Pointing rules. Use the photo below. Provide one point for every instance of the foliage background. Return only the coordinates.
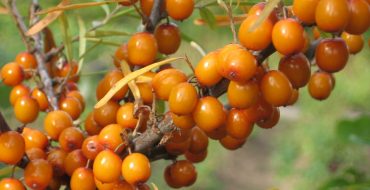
(311, 147)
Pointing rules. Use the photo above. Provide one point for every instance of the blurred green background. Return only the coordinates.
(316, 145)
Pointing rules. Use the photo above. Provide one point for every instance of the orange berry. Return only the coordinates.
(243, 95)
(304, 10)
(56, 157)
(91, 147)
(272, 121)
(276, 88)
(146, 6)
(168, 38)
(238, 124)
(260, 111)
(106, 166)
(77, 94)
(180, 135)
(110, 136)
(331, 55)
(82, 178)
(168, 178)
(106, 114)
(17, 92)
(12, 74)
(359, 20)
(258, 8)
(70, 70)
(120, 55)
(332, 15)
(165, 80)
(320, 85)
(34, 138)
(293, 99)
(125, 116)
(257, 39)
(355, 43)
(183, 121)
(179, 9)
(196, 158)
(12, 147)
(177, 148)
(209, 114)
(41, 98)
(288, 36)
(180, 95)
(26, 61)
(218, 133)
(74, 160)
(55, 122)
(136, 168)
(140, 44)
(296, 68)
(72, 106)
(26, 109)
(38, 174)
(206, 70)
(11, 184)
(231, 143)
(146, 91)
(35, 153)
(183, 173)
(70, 139)
(91, 126)
(198, 141)
(109, 80)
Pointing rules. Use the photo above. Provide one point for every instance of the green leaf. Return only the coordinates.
(106, 33)
(83, 41)
(160, 106)
(334, 183)
(66, 37)
(208, 17)
(356, 131)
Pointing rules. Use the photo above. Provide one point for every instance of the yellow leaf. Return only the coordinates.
(270, 5)
(154, 186)
(221, 20)
(132, 85)
(121, 83)
(48, 19)
(143, 79)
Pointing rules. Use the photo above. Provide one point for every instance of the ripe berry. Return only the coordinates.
(146, 7)
(257, 39)
(91, 147)
(332, 15)
(238, 124)
(206, 70)
(41, 98)
(293, 99)
(70, 70)
(106, 114)
(109, 80)
(120, 54)
(231, 143)
(272, 121)
(26, 61)
(243, 95)
(288, 36)
(125, 116)
(55, 122)
(168, 38)
(183, 121)
(140, 44)
(38, 174)
(82, 178)
(26, 109)
(12, 74)
(297, 68)
(77, 94)
(183, 173)
(72, 106)
(17, 92)
(136, 168)
(258, 8)
(218, 133)
(180, 95)
(110, 136)
(35, 153)
(260, 111)
(180, 135)
(74, 160)
(359, 20)
(198, 141)
(209, 114)
(332, 55)
(168, 178)
(91, 126)
(276, 88)
(179, 9)
(304, 10)
(165, 80)
(34, 138)
(196, 158)
(355, 43)
(11, 184)
(146, 91)
(70, 139)
(320, 85)
(106, 166)
(12, 147)
(177, 148)
(56, 157)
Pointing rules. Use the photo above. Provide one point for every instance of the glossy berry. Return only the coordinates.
(196, 158)
(271, 121)
(106, 166)
(294, 97)
(41, 98)
(320, 85)
(276, 88)
(140, 44)
(82, 178)
(332, 15)
(91, 147)
(288, 36)
(91, 126)
(231, 143)
(72, 106)
(168, 178)
(35, 153)
(183, 121)
(146, 7)
(70, 139)
(355, 43)
(258, 38)
(12, 147)
(180, 95)
(69, 70)
(304, 10)
(12, 74)
(26, 109)
(296, 68)
(125, 116)
(168, 38)
(183, 173)
(243, 95)
(218, 133)
(136, 168)
(26, 61)
(106, 114)
(260, 111)
(109, 80)
(55, 122)
(74, 160)
(38, 173)
(238, 124)
(34, 138)
(177, 148)
(180, 135)
(110, 136)
(120, 54)
(198, 141)
(11, 184)
(165, 80)
(209, 114)
(206, 70)
(77, 94)
(145, 89)
(179, 9)
(359, 20)
(17, 92)
(258, 8)
(56, 157)
(331, 55)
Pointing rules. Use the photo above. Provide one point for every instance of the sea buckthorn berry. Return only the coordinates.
(71, 86)
(128, 2)
(34, 138)
(198, 141)
(304, 10)
(12, 74)
(105, 186)
(136, 168)
(196, 158)
(82, 178)
(91, 126)
(11, 184)
(183, 94)
(106, 166)
(140, 44)
(359, 20)
(180, 135)
(206, 70)
(55, 122)
(238, 124)
(257, 39)
(27, 61)
(38, 173)
(331, 55)
(332, 15)
(276, 88)
(26, 109)
(70, 70)
(146, 6)
(177, 148)
(168, 178)
(70, 139)
(224, 53)
(272, 121)
(41, 98)
(35, 153)
(183, 173)
(179, 9)
(145, 88)
(106, 114)
(296, 68)
(125, 116)
(91, 147)
(288, 36)
(320, 85)
(183, 121)
(355, 43)
(120, 55)
(55, 183)
(109, 80)
(110, 136)
(168, 38)
(165, 80)
(218, 133)
(239, 66)
(209, 114)
(56, 157)
(17, 92)
(12, 147)
(72, 106)
(293, 99)
(243, 95)
(260, 111)
(77, 94)
(231, 143)
(316, 33)
(74, 160)
(258, 8)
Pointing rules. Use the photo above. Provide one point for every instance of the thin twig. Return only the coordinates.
(230, 15)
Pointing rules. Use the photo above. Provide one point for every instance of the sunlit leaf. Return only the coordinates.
(270, 5)
(143, 79)
(207, 16)
(82, 41)
(132, 85)
(66, 37)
